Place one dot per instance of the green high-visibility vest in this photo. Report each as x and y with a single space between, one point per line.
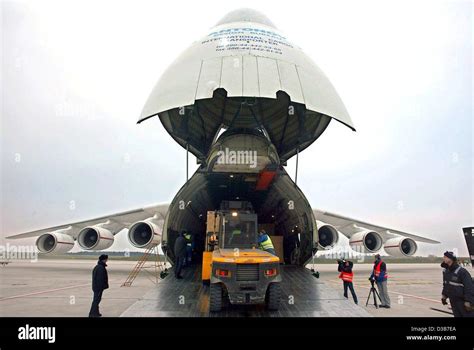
266 244
188 239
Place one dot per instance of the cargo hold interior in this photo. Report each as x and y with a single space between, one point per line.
282 210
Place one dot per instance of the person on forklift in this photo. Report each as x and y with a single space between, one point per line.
236 235
265 243
241 236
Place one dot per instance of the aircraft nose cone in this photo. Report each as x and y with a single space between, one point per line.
246 15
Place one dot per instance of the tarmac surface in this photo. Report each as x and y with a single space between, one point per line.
63 288
413 288
302 296
51 287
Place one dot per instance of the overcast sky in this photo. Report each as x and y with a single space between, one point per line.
75 75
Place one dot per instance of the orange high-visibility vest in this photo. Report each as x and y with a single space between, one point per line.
377 270
346 276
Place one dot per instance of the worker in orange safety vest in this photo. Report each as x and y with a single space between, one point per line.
380 276
346 274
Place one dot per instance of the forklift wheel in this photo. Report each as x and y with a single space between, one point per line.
273 296
215 304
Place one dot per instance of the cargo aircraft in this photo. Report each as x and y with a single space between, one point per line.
243 100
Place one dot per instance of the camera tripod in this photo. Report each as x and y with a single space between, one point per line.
376 295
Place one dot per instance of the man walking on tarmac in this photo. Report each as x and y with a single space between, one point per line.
265 243
457 287
180 254
346 274
380 276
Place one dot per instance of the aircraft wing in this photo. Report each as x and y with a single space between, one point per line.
117 222
349 226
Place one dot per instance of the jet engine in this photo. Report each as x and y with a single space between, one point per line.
95 238
400 247
366 242
144 234
54 243
328 235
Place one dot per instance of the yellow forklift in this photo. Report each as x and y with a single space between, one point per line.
236 270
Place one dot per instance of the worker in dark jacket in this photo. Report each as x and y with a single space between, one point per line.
346 274
380 276
457 287
180 254
100 282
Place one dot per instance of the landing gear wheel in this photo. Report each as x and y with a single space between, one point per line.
216 299
273 296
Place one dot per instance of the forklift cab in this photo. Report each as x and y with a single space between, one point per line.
238 231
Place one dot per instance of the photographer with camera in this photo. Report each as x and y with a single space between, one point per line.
346 274
379 276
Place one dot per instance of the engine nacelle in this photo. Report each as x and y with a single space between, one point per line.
366 242
95 238
144 234
54 243
328 235
400 246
